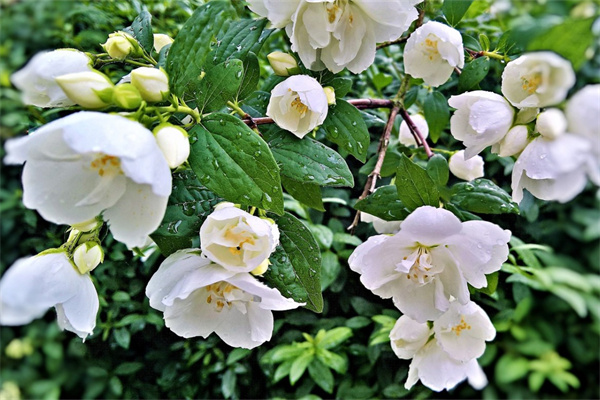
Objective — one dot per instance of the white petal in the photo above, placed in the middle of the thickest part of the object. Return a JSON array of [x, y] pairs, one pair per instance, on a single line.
[[430, 226], [192, 316], [246, 330], [78, 314], [270, 298], [419, 302], [408, 336]]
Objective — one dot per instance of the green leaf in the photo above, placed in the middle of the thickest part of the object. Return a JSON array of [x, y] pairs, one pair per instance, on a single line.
[[239, 39], [282, 371], [308, 161], [570, 39], [299, 366], [219, 85], [192, 45], [321, 375], [330, 269], [233, 161], [122, 337], [335, 337], [415, 187], [141, 30], [334, 361], [454, 10], [188, 206], [128, 368], [437, 114], [306, 193], [484, 197], [509, 368], [492, 284], [296, 263], [437, 168], [341, 86], [345, 127], [381, 80], [473, 73], [249, 78], [384, 203]]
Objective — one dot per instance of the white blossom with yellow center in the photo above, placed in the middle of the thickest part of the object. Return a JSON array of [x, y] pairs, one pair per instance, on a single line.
[[90, 163], [199, 297]]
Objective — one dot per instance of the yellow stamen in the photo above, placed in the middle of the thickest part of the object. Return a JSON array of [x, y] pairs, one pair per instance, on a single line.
[[299, 105], [461, 326]]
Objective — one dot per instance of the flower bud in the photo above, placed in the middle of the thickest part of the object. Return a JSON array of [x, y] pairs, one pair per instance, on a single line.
[[466, 169], [225, 204], [262, 268], [174, 144], [89, 89], [126, 96], [526, 115], [513, 143], [283, 64], [86, 226], [19, 348], [551, 123], [120, 44], [88, 256], [161, 40], [152, 83], [330, 93]]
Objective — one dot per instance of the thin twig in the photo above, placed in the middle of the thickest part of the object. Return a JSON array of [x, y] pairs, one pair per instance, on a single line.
[[392, 42], [416, 133]]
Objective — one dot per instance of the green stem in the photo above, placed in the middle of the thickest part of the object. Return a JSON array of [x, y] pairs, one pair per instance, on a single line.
[[236, 108], [448, 152], [136, 63], [492, 54]]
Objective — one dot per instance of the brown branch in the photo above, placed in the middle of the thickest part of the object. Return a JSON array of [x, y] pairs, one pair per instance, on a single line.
[[416, 133], [391, 42], [376, 173]]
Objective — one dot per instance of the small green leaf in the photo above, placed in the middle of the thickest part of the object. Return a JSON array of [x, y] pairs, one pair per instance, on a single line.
[[384, 203], [335, 337], [381, 80], [122, 337], [239, 39], [321, 375], [330, 269], [483, 196], [437, 114], [282, 371], [128, 368], [345, 127], [233, 161], [415, 187], [473, 73], [249, 77], [219, 85], [141, 30], [341, 86], [334, 361], [454, 10], [509, 368], [492, 284], [437, 168], [306, 193], [299, 366]]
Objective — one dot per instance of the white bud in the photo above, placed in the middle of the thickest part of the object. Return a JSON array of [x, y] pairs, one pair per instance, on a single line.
[[174, 144], [262, 268], [86, 226], [551, 123], [119, 45], [330, 93], [283, 64], [89, 89], [153, 83], [161, 40], [526, 115], [466, 169], [404, 134], [88, 256], [513, 143]]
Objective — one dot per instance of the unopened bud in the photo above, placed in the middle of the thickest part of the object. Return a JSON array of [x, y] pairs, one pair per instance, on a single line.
[[466, 169], [161, 40], [551, 123], [330, 93], [174, 144], [526, 115], [262, 268], [513, 143], [86, 226], [89, 89], [126, 96], [224, 204], [120, 44], [152, 83], [88, 256], [283, 64]]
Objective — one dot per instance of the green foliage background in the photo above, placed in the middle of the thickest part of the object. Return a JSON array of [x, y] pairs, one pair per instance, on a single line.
[[546, 314]]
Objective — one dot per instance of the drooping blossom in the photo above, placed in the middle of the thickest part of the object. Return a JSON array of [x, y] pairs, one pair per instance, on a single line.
[[90, 163], [152, 83], [430, 260], [380, 225], [199, 297], [466, 169], [513, 143], [173, 142], [404, 134], [84, 88]]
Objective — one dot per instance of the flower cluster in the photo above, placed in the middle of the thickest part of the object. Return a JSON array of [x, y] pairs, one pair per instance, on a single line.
[[426, 268], [212, 289]]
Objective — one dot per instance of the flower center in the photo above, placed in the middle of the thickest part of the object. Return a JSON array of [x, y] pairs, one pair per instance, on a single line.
[[106, 165], [430, 46], [299, 106], [240, 238], [531, 82], [222, 294], [419, 266], [461, 326]]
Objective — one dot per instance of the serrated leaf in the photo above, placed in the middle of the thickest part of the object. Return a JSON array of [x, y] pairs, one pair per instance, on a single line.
[[437, 168], [250, 77], [239, 39], [454, 10], [219, 85], [473, 73], [296, 263], [415, 187], [321, 375], [189, 204], [233, 161], [308, 194], [483, 196], [345, 127], [437, 114], [307, 160], [141, 29], [192, 45], [384, 203]]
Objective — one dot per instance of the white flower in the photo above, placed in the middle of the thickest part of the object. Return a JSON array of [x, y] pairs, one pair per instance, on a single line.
[[87, 163], [551, 123], [34, 284], [85, 88], [298, 104], [282, 63], [153, 83], [466, 169], [161, 40], [445, 360], [237, 240], [381, 226], [513, 143], [555, 169], [340, 34], [583, 114], [537, 80], [199, 297], [430, 260], [432, 52], [174, 143], [481, 119], [36, 79], [405, 137]]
